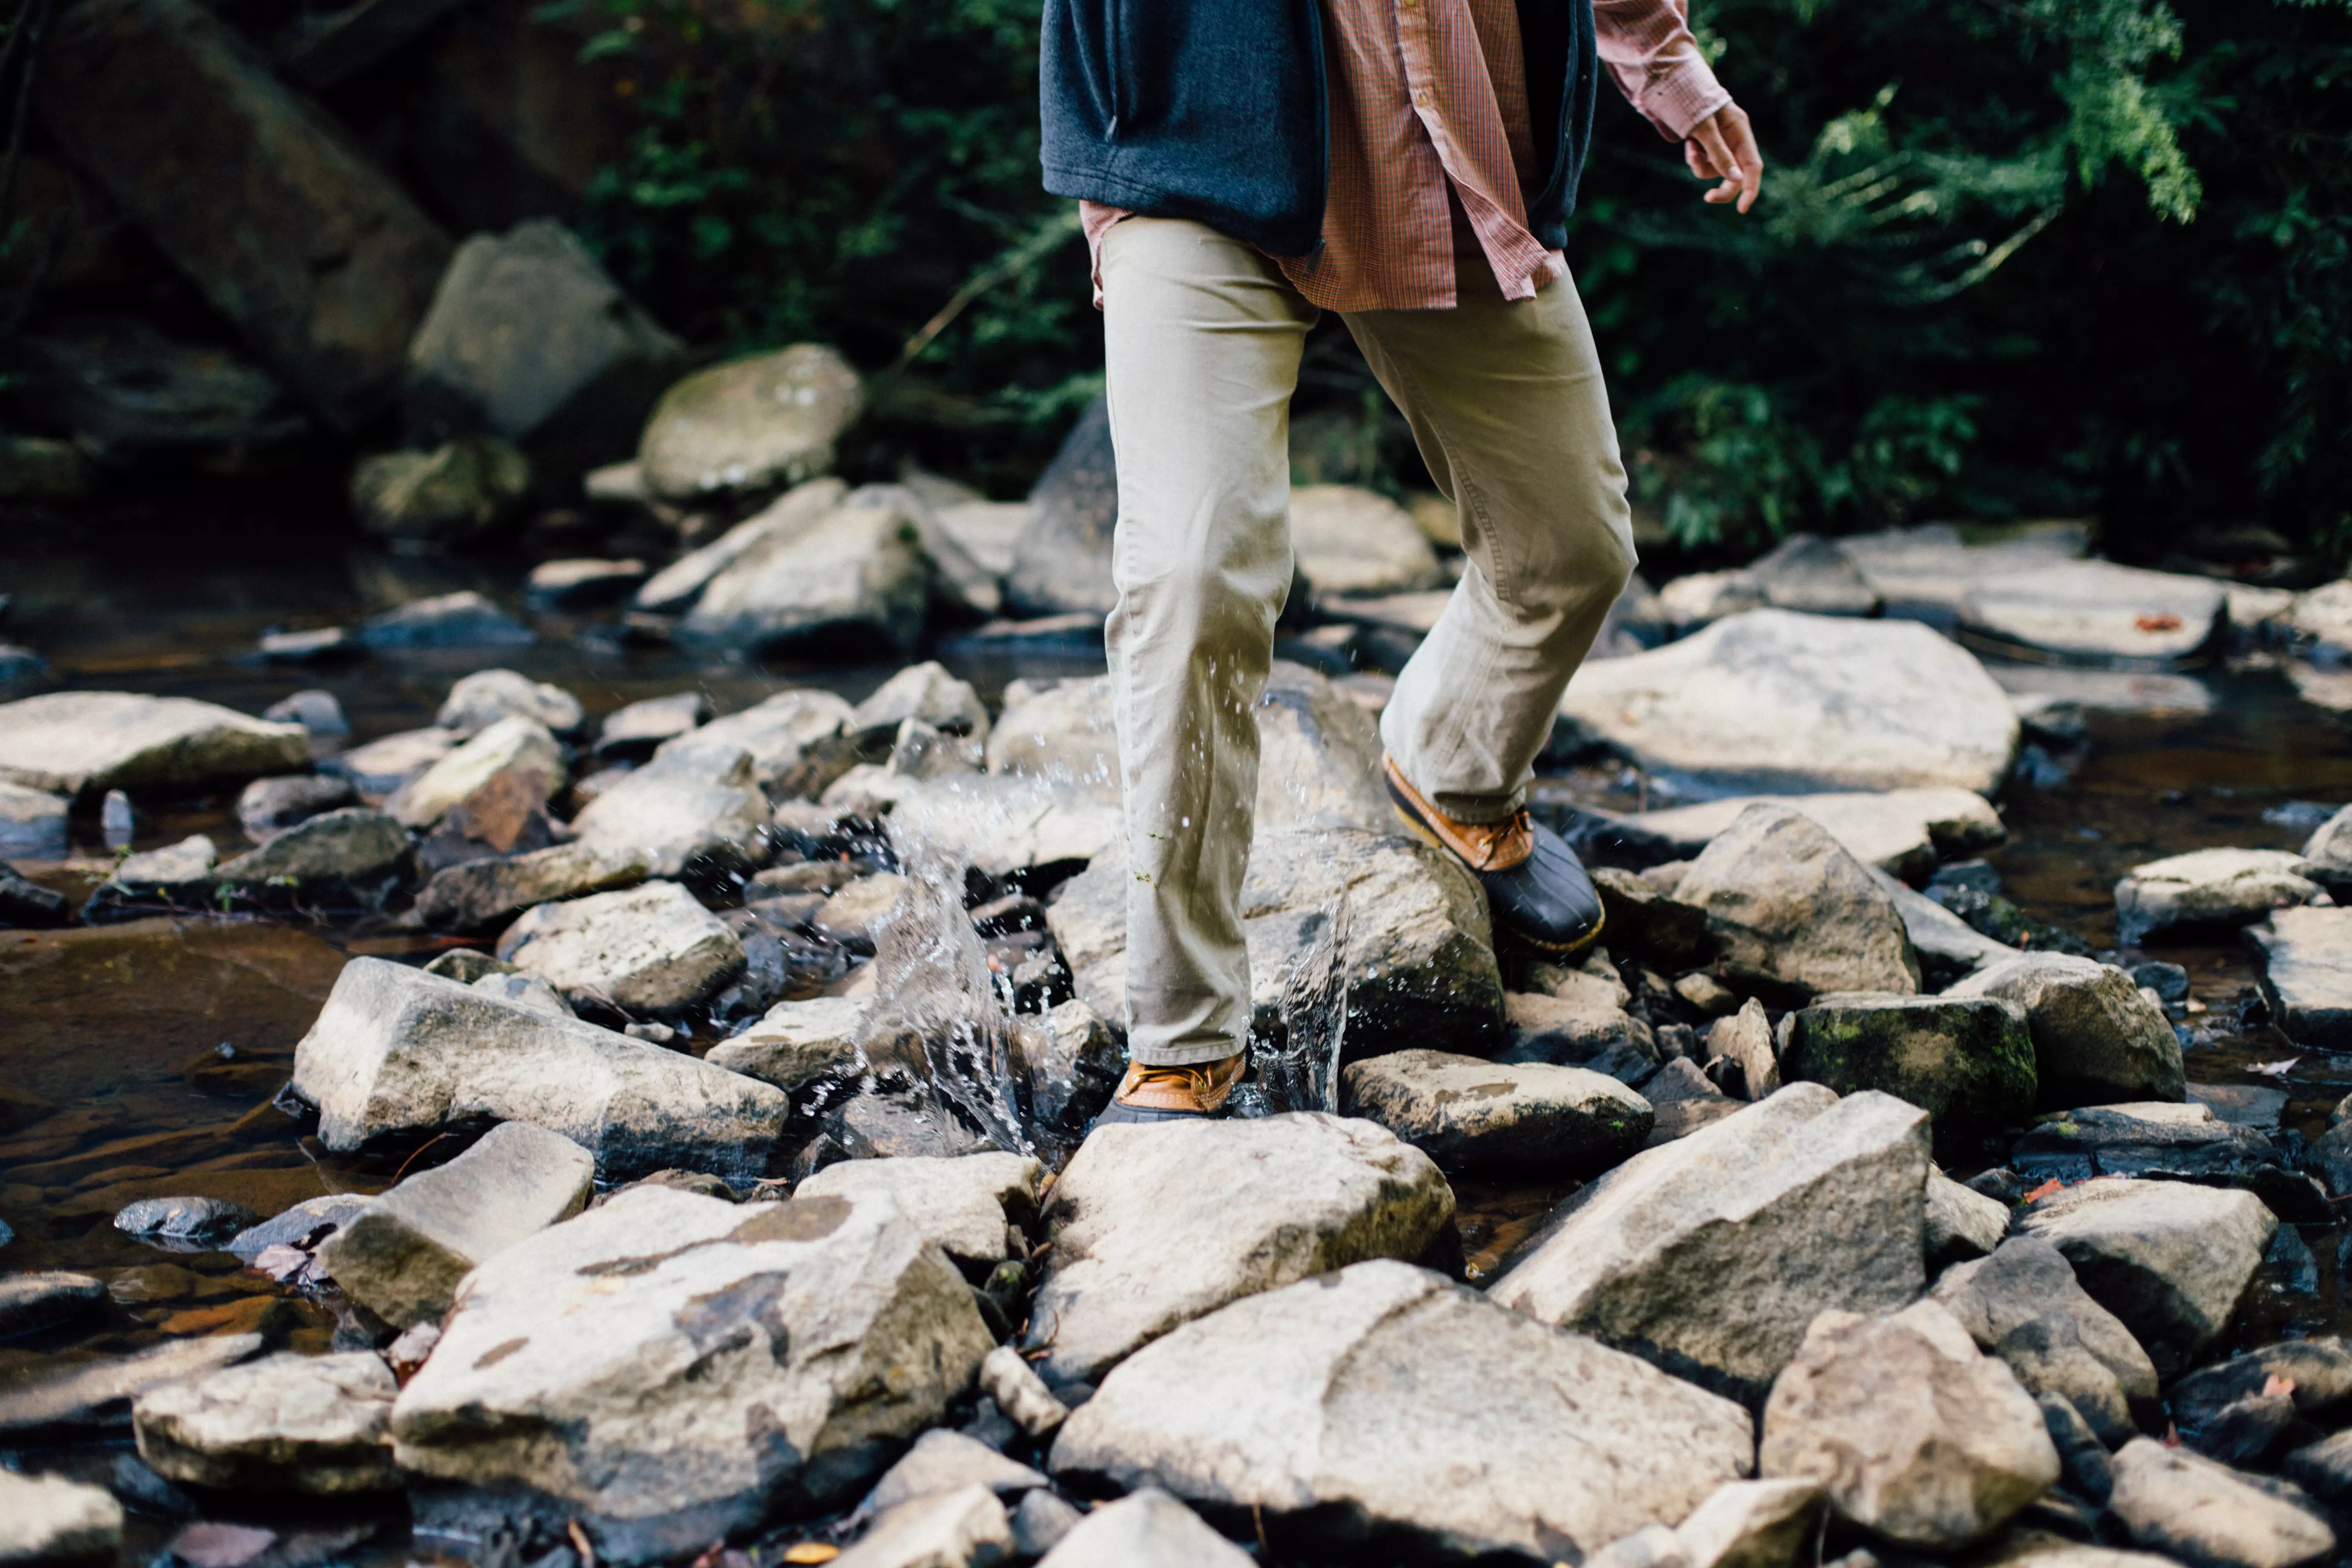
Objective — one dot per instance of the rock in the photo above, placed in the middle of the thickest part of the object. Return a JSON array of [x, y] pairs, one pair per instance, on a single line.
[[353, 853], [1685, 1099], [857, 570], [1776, 700], [2241, 1105], [989, 532], [48, 1519], [1710, 1255], [463, 619], [41, 468], [673, 588], [2094, 612], [487, 696], [2082, 1457], [132, 394], [689, 815], [2320, 1371], [1063, 562], [2023, 1302], [1912, 1434], [1960, 1224], [668, 1368], [513, 743], [999, 824], [396, 1050], [1966, 1063], [381, 766], [2324, 1467], [945, 1462], [649, 949], [959, 584], [1021, 1393], [32, 824], [2148, 1137], [1947, 947], [44, 1300], [1644, 923], [72, 743], [946, 1530], [1421, 957], [268, 807], [925, 692], [2169, 1259], [1805, 571], [1151, 1226], [2209, 888], [524, 991], [1145, 1529], [451, 494], [184, 1224], [1925, 574], [1746, 1038], [1905, 832], [751, 425], [90, 1394], [530, 340], [1702, 598], [1059, 729], [327, 268], [405, 1255], [637, 731], [295, 1226], [23, 902], [2187, 1507], [2322, 618], [797, 1044], [320, 645], [2095, 1038], [1471, 1115], [578, 581], [2329, 850], [312, 1425], [781, 735], [964, 1204], [1351, 540], [1073, 1062], [2307, 976], [1382, 1404], [479, 894], [1750, 1524], [1792, 912], [178, 876], [854, 916]]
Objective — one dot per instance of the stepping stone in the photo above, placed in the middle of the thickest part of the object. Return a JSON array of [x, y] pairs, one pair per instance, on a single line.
[[2187, 1507], [1472, 1115], [1792, 913], [2095, 1038], [650, 949], [318, 1425], [2209, 888], [2307, 974], [963, 1204], [1905, 832]]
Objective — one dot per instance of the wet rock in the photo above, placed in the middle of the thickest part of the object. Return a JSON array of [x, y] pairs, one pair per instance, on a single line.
[[782, 735], [354, 854], [2144, 1138], [2095, 1038], [636, 731], [1384, 1404], [964, 1204], [487, 696], [99, 1394], [2209, 888], [2169, 1258], [2187, 1507], [1947, 947], [1710, 1255], [404, 1256], [751, 425], [925, 692], [1074, 1061], [1422, 958], [1472, 1115], [944, 1529], [164, 107], [268, 807], [1065, 730], [1912, 1434], [32, 824], [945, 1462], [1776, 700], [2307, 976], [184, 1224], [2317, 1373], [855, 915], [1021, 1393], [797, 1043], [1145, 1529], [462, 620], [1351, 540], [482, 893], [1645, 922], [450, 494], [1684, 1099], [614, 1365], [650, 949], [528, 339], [1745, 1039], [297, 1226], [46, 1298], [50, 1519], [396, 1050], [2324, 1467], [1063, 563], [312, 1425], [1905, 832], [381, 766], [26, 903], [1002, 823], [1151, 1226], [918, 755], [514, 743], [69, 743], [673, 588], [858, 569], [577, 582], [689, 815], [1750, 1524], [2241, 1105], [1960, 1224], [2024, 1302], [1791, 911], [889, 1121], [1968, 1062]]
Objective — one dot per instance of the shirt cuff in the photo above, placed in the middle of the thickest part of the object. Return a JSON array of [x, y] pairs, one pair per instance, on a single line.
[[1677, 98]]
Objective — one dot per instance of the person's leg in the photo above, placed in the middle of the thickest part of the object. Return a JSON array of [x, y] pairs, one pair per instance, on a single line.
[[1202, 338]]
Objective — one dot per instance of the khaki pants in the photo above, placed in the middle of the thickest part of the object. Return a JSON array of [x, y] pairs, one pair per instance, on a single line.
[[1203, 336]]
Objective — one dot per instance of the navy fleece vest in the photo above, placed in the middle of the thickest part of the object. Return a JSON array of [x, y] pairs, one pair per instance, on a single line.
[[1215, 109]]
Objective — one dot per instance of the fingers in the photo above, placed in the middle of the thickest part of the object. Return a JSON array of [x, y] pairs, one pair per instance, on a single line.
[[1722, 147], [1746, 155]]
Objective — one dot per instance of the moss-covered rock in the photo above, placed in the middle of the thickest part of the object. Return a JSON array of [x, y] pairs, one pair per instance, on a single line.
[[1963, 1061]]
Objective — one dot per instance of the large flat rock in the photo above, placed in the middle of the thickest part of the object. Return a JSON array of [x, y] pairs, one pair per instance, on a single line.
[[669, 1367], [1902, 831], [1777, 700], [2094, 612], [313, 1424], [69, 741], [2307, 974], [1383, 1408], [1530, 1117], [1712, 1254], [397, 1050], [2209, 888]]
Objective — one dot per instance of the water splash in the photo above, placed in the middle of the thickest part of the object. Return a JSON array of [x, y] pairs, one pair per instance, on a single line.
[[1302, 1072]]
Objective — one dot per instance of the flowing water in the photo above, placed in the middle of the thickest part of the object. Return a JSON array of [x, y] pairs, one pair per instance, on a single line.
[[161, 1041]]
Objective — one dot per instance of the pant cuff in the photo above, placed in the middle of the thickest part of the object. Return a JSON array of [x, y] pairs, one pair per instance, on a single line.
[[1181, 1054]]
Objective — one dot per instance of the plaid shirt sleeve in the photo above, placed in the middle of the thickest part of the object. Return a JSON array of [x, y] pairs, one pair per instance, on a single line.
[[1648, 48]]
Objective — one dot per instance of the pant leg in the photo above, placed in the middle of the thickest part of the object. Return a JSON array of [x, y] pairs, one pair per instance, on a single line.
[[1201, 337], [1506, 404]]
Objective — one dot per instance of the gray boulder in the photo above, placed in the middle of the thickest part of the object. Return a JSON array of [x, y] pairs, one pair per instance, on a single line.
[[2209, 888], [1750, 1524], [797, 1043], [1151, 1226], [482, 699], [402, 1256], [690, 814], [32, 824], [479, 894], [1352, 540], [634, 730], [965, 1204], [2187, 1507], [2095, 613], [396, 1050], [318, 1425], [1791, 911], [1021, 1393], [1382, 1404], [2145, 1138], [668, 1368], [1063, 563], [858, 569], [925, 692], [1966, 1062], [751, 425], [1000, 824], [782, 736], [2095, 1038], [1712, 1254], [1581, 1021], [515, 743], [1472, 1115], [381, 766], [50, 1519], [2024, 1304], [69, 742], [1744, 1040], [2306, 978], [1914, 1434], [1805, 571], [1904, 832], [673, 589], [1065, 730], [268, 807], [351, 853], [1145, 1529], [2329, 850], [945, 1462], [650, 949], [954, 1528], [1961, 1223]]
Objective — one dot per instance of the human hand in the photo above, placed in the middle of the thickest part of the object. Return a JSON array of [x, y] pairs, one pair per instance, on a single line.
[[1722, 147]]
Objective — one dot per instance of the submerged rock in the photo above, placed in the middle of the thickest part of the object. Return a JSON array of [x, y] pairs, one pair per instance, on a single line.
[[45, 1299], [1383, 1405], [2307, 974], [1791, 911], [2095, 1038], [184, 1224], [650, 949], [1471, 1115], [318, 1425], [1966, 1062], [751, 425], [1151, 1226], [669, 1368], [69, 743], [2209, 888]]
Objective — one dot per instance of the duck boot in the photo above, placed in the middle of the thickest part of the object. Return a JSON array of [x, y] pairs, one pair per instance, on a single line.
[[1537, 888], [1191, 1093]]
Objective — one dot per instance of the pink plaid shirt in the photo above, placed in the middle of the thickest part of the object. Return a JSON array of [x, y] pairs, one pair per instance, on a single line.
[[1429, 108]]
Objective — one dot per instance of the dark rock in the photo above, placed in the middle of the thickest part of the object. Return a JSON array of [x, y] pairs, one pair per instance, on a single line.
[[449, 494], [25, 902], [352, 857], [2082, 1457], [1647, 922], [299, 1225], [1963, 1062], [463, 619], [270, 807], [1063, 562], [43, 1300], [184, 1225], [135, 395]]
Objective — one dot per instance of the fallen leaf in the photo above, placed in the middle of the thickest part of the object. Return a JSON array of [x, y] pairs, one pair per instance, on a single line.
[[2159, 623], [2053, 1186], [811, 1552], [2274, 1069], [580, 1544], [2274, 1386]]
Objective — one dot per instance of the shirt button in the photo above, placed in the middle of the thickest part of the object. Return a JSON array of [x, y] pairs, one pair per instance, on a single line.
[[1421, 96]]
